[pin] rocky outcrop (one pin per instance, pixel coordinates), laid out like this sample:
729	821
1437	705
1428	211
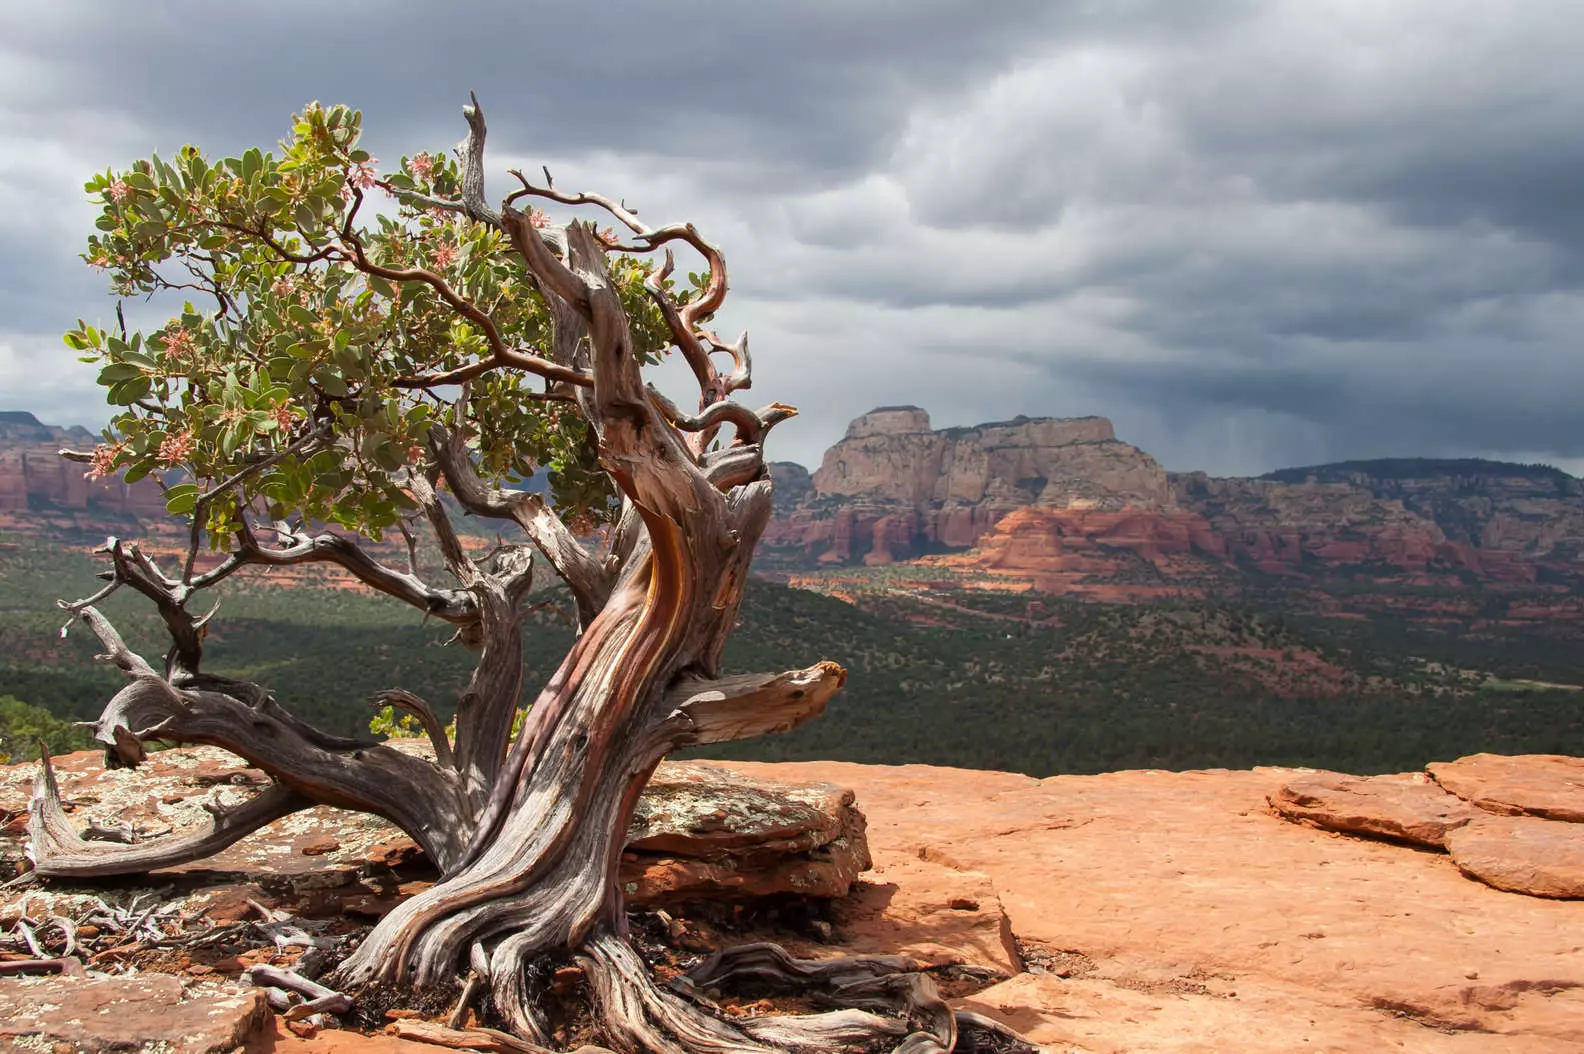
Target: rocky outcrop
34	478
703	831
893	488
1172	912
154	1012
1512	822
1132	911
698	831
1545	785
1403	808
1521	854
890	455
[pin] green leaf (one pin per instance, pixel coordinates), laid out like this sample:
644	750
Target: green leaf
125	393
118	371
334	384
181	499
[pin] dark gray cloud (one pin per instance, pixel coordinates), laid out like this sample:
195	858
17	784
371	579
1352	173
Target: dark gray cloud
1253	233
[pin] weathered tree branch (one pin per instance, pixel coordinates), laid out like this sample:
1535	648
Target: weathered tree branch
411	792
57	851
403	701
743	706
589	581
451	605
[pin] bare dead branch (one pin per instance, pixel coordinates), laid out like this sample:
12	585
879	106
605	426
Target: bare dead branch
408	703
743	706
57	851
589	581
116	650
450	605
411	792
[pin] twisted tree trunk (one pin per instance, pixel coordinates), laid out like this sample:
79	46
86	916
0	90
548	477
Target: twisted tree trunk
528	831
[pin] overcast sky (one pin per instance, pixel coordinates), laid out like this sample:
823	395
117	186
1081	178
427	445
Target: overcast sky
1254	234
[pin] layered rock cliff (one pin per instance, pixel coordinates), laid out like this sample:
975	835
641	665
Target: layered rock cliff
35	480
1064	504
892	488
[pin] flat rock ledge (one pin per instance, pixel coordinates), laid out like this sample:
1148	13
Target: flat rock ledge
146	1012
1514	822
699	832
1545	785
1408	808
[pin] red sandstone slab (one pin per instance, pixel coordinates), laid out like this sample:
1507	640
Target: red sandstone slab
1402	808
1522	854
145	1012
1549	785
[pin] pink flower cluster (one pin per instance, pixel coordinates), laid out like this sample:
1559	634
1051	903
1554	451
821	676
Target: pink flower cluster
104	460
364	175
444	256
422	167
285	416
179	345
177	447
539	219
119	191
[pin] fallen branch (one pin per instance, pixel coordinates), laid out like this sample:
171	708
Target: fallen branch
66	966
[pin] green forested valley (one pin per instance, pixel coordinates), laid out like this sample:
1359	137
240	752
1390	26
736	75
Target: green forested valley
948	679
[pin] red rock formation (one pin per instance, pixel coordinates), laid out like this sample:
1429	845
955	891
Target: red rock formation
35	478
894	490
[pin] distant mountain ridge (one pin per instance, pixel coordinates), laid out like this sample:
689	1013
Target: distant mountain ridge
1065	504
1404	468
1060	503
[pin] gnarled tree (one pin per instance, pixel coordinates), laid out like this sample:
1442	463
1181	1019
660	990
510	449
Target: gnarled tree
344	368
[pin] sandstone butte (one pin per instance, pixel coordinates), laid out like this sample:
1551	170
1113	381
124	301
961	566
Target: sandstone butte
1063	506
1158	911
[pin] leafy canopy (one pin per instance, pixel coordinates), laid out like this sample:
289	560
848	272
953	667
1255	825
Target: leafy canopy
294	374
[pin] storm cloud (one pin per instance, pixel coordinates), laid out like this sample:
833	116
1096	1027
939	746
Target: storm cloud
1255	234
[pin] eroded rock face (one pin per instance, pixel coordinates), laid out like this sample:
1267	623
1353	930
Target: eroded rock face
892	456
893	489
34	476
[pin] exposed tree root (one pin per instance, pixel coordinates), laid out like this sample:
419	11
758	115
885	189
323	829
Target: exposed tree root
888	1004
